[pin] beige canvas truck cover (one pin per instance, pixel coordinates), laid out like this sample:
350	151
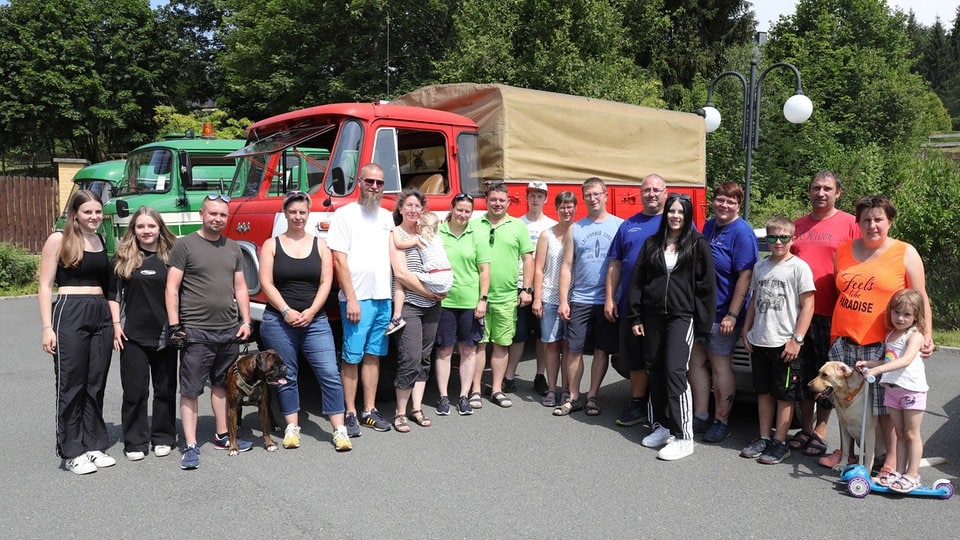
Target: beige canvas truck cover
535	135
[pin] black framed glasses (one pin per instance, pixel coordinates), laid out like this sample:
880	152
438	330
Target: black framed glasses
214	196
783	238
462	196
373	182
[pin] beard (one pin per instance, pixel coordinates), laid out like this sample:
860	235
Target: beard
370	201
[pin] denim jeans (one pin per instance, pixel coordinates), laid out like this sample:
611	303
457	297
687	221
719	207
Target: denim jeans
315	342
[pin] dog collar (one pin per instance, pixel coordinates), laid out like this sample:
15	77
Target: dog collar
857	391
242	384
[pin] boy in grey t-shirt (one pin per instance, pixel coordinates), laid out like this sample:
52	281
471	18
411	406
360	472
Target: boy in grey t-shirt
777	318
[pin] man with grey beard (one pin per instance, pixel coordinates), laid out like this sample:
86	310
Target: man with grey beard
360	240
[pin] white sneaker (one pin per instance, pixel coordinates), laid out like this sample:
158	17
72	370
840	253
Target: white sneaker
162	450
676	449
81	465
100	459
659	437
291	436
134	456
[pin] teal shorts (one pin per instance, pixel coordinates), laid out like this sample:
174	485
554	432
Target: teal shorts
367	336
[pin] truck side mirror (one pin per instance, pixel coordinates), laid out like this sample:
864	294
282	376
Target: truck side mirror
339	184
123	209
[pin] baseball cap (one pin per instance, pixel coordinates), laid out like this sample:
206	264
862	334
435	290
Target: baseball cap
538	186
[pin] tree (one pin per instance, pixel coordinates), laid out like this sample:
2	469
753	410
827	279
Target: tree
191	43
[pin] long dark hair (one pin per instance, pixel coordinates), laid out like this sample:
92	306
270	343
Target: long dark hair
686	244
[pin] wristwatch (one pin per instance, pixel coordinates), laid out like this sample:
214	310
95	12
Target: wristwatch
798	338
528	290
484	298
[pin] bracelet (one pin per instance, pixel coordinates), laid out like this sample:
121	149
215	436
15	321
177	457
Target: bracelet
248	325
284	311
116	322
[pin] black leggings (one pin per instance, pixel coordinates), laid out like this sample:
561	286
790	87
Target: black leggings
84	331
667	342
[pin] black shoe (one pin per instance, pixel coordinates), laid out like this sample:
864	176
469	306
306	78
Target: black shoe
540	385
509	385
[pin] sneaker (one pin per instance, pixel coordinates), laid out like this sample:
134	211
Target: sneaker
134	456
374	420
291	436
756	448
341	439
353	427
717	432
81	465
223	443
635	414
509	385
443	406
659	437
776	452
162	450
191	458
540	384
463	406
701	425
101	460
475	400
395	324
676	449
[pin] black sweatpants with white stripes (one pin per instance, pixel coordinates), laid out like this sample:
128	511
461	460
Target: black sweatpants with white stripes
667	343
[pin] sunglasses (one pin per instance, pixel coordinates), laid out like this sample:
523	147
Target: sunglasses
683	196
462	196
296	195
221	196
492	237
783	238
373	182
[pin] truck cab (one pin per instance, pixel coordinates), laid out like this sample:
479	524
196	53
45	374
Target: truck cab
172	176
101	178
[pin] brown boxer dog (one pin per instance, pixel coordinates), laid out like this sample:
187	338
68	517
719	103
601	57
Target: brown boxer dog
249	380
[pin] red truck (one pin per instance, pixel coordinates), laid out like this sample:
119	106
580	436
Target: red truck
447	139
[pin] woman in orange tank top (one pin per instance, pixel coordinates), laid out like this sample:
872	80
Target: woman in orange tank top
869	271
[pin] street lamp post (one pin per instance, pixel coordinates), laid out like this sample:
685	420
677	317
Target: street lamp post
797	110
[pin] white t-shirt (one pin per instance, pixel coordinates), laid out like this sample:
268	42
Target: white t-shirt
535	228
776	295
365	238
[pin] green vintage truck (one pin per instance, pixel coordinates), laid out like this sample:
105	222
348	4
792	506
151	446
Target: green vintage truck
172	176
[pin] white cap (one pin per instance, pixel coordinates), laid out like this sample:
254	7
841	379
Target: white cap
537	185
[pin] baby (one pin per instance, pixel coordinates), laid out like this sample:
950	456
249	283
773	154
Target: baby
436	276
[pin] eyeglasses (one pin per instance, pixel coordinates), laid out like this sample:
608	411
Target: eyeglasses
215	196
592	196
462	196
295	195
653	191
783	238
373	182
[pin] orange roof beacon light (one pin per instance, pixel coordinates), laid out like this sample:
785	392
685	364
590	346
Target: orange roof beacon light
207	132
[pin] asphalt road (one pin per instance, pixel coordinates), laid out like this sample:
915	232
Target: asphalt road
501	473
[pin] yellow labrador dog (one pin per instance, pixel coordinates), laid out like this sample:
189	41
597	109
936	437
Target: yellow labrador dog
849	390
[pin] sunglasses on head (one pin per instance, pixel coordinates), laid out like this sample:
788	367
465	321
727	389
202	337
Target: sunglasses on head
373	182
783	238
296	195
221	196
462	196
683	196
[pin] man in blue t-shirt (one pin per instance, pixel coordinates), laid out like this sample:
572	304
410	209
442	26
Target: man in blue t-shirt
622	257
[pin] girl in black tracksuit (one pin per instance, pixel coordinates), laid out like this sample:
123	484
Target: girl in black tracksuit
137	304
672	301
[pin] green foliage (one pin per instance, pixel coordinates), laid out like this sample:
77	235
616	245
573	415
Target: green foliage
17	266
170	121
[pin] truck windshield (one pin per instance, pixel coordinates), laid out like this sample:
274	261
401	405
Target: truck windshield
148	171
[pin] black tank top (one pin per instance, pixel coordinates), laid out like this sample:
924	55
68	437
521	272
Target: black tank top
93	271
296	279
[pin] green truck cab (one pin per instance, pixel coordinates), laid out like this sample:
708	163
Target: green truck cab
101	178
172	176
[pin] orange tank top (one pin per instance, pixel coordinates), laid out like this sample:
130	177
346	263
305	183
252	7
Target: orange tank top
864	289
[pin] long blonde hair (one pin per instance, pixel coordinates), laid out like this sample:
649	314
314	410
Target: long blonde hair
128	252
71	248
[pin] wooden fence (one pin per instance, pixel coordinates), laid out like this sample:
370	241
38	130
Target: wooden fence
29	207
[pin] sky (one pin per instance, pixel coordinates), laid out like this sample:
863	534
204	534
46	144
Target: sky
926	11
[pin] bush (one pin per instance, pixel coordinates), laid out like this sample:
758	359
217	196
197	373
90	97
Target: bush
17	266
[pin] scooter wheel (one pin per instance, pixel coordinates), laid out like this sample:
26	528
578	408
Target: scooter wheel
858	487
946	486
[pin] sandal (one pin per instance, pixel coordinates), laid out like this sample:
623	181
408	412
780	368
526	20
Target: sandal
400	424
800	440
475	401
421	419
886	477
905	484
501	399
815	446
593	406
568	406
550	399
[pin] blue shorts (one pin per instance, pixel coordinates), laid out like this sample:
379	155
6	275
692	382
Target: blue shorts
589	329
722	345
528	325
552	327
458	326
367	336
